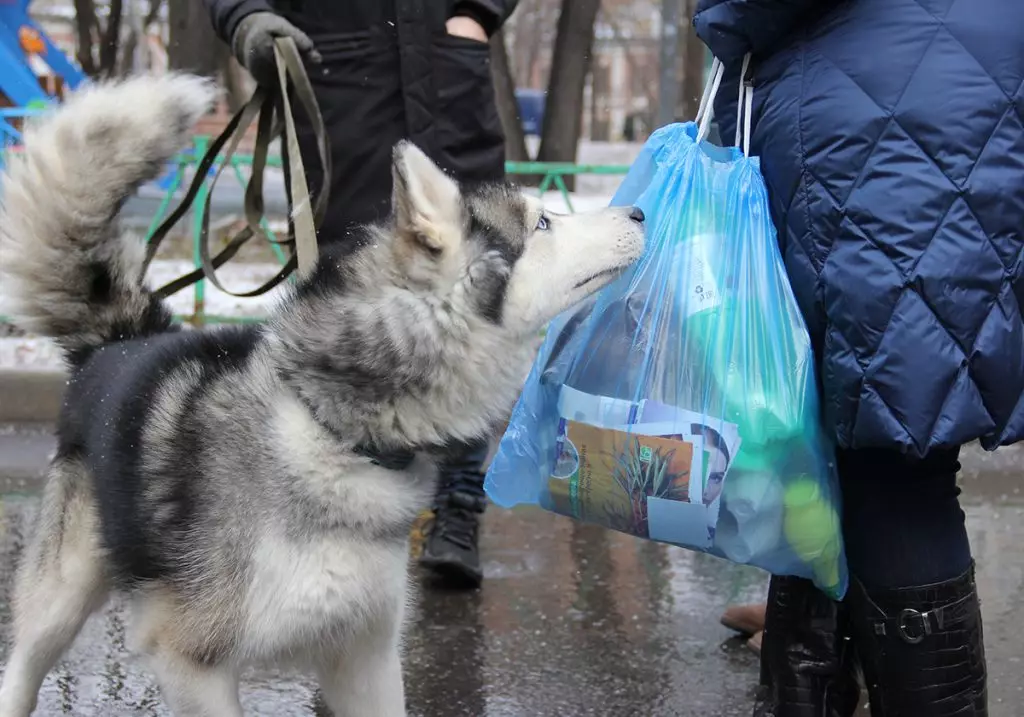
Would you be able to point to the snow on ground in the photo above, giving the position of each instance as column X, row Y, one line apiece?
column 34, row 353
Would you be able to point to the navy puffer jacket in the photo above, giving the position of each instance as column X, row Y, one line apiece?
column 891, row 137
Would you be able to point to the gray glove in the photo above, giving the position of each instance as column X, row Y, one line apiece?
column 253, row 44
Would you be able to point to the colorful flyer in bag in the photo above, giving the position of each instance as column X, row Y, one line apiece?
column 721, row 441
column 659, row 479
column 606, row 476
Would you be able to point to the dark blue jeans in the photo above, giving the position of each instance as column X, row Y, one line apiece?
column 902, row 520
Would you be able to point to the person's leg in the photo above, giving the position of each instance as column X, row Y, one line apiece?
column 913, row 603
column 451, row 546
column 807, row 666
column 747, row 620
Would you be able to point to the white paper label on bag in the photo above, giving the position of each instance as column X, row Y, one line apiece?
column 701, row 287
column 596, row 410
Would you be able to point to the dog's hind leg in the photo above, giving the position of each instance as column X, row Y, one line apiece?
column 61, row 581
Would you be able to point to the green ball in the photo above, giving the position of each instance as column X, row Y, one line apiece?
column 811, row 526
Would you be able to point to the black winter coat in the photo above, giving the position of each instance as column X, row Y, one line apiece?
column 390, row 71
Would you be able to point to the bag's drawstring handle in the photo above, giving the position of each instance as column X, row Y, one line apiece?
column 305, row 218
column 706, row 111
column 744, row 104
column 747, row 118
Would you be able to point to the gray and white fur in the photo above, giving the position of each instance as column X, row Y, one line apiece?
column 236, row 481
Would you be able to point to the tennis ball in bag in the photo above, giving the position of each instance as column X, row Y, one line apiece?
column 811, row 525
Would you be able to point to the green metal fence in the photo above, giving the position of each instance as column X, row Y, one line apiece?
column 551, row 177
column 553, row 174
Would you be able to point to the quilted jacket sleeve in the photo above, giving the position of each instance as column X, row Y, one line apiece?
column 732, row 28
column 226, row 14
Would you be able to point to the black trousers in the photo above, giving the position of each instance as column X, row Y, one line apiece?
column 359, row 91
column 902, row 520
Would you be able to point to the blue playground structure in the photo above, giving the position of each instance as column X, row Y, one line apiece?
column 21, row 92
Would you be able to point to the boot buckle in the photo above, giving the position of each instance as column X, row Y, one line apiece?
column 909, row 616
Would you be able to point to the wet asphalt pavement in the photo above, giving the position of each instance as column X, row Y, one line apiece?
column 572, row 620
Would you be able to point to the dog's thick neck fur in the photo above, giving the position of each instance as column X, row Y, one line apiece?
column 392, row 365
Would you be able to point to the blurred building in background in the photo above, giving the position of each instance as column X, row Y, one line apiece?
column 621, row 95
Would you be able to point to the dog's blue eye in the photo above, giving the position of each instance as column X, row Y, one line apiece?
column 542, row 223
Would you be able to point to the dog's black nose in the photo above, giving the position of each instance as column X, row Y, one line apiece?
column 637, row 214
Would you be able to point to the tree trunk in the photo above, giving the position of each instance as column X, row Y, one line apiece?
column 99, row 44
column 668, row 75
column 563, row 113
column 505, row 95
column 126, row 65
column 238, row 85
column 194, row 47
column 85, row 21
column 111, row 39
column 694, row 58
column 153, row 15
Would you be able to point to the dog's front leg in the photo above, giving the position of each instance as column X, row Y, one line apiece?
column 194, row 690
column 365, row 681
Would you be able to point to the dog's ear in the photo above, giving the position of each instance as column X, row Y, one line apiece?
column 426, row 201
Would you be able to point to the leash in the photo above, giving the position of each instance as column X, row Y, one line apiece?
column 305, row 218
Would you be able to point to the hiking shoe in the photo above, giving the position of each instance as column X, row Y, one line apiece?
column 451, row 549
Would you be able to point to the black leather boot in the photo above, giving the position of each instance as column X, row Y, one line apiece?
column 451, row 549
column 921, row 649
column 807, row 668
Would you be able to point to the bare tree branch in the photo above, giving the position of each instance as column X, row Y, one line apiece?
column 505, row 94
column 563, row 114
column 154, row 13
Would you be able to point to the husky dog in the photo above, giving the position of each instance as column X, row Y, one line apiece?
column 253, row 488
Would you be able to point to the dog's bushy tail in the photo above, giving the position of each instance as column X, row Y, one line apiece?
column 66, row 270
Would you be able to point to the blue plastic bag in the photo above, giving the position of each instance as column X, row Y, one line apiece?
column 680, row 403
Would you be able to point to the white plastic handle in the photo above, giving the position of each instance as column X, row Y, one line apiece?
column 748, row 111
column 710, row 89
column 743, row 105
column 706, row 112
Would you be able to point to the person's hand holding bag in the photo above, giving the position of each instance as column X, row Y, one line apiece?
column 253, row 44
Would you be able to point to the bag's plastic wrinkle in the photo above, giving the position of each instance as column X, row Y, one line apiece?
column 680, row 403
